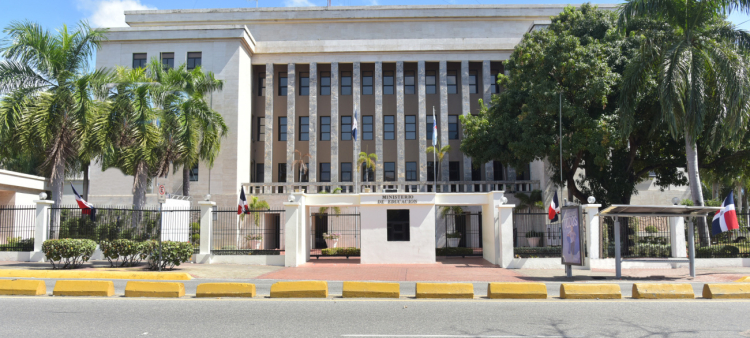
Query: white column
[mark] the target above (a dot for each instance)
(497, 230)
(313, 108)
(422, 124)
(207, 208)
(335, 122)
(489, 171)
(465, 110)
(357, 144)
(291, 121)
(268, 156)
(41, 232)
(295, 244)
(379, 121)
(505, 228)
(591, 219)
(444, 174)
(677, 234)
(400, 134)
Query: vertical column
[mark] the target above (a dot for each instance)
(379, 120)
(400, 140)
(268, 156)
(206, 224)
(677, 237)
(313, 164)
(444, 118)
(356, 89)
(489, 171)
(291, 121)
(592, 232)
(465, 109)
(295, 232)
(335, 122)
(422, 123)
(41, 231)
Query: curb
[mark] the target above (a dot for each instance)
(155, 289)
(371, 290)
(516, 291)
(745, 279)
(225, 290)
(445, 290)
(22, 287)
(94, 274)
(307, 289)
(662, 291)
(84, 288)
(590, 291)
(726, 291)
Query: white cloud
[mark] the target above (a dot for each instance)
(374, 3)
(109, 13)
(298, 3)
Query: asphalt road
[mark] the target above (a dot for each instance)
(128, 317)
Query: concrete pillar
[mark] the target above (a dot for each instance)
(465, 110)
(421, 134)
(268, 156)
(291, 121)
(497, 230)
(41, 232)
(400, 135)
(444, 119)
(335, 122)
(591, 220)
(489, 170)
(677, 234)
(356, 91)
(505, 227)
(295, 234)
(379, 121)
(207, 208)
(313, 109)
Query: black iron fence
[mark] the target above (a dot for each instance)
(335, 234)
(640, 237)
(534, 235)
(17, 225)
(730, 244)
(459, 234)
(261, 232)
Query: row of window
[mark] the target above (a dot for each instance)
(431, 83)
(167, 60)
(389, 128)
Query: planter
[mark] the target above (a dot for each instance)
(368, 190)
(255, 244)
(296, 190)
(453, 242)
(332, 243)
(533, 242)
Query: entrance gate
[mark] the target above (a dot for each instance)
(461, 235)
(335, 234)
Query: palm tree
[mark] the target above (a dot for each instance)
(301, 163)
(47, 77)
(440, 151)
(368, 160)
(256, 203)
(530, 201)
(451, 210)
(700, 65)
(324, 210)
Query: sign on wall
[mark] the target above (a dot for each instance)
(397, 199)
(572, 236)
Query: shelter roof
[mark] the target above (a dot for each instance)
(657, 210)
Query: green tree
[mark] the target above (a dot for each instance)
(528, 202)
(440, 152)
(700, 69)
(368, 160)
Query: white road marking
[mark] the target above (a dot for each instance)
(445, 336)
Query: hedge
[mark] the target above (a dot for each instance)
(172, 254)
(341, 252)
(454, 251)
(129, 251)
(18, 244)
(70, 253)
(544, 251)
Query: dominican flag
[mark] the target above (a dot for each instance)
(88, 208)
(434, 128)
(726, 218)
(554, 208)
(354, 126)
(242, 204)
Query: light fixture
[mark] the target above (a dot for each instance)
(208, 197)
(291, 198)
(42, 195)
(505, 200)
(675, 200)
(591, 200)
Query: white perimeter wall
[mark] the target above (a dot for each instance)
(376, 249)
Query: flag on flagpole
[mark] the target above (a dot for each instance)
(88, 208)
(434, 128)
(354, 126)
(242, 204)
(726, 218)
(554, 209)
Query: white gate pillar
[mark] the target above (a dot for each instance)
(296, 248)
(591, 219)
(497, 230)
(677, 235)
(41, 231)
(207, 207)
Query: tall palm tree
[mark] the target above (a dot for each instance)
(48, 77)
(700, 65)
(301, 163)
(368, 160)
(440, 152)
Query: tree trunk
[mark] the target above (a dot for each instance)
(185, 181)
(86, 180)
(57, 181)
(140, 180)
(696, 192)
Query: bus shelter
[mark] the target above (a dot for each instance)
(689, 213)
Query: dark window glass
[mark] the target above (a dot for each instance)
(430, 171)
(368, 174)
(454, 171)
(304, 83)
(305, 174)
(389, 169)
(193, 173)
(167, 60)
(325, 83)
(453, 127)
(325, 128)
(494, 88)
(430, 82)
(398, 225)
(261, 84)
(139, 60)
(410, 127)
(261, 129)
(346, 83)
(388, 83)
(429, 129)
(325, 172)
(367, 83)
(282, 172)
(409, 82)
(497, 169)
(411, 171)
(473, 82)
(193, 60)
(346, 128)
(346, 171)
(304, 128)
(367, 127)
(451, 82)
(282, 84)
(389, 128)
(476, 173)
(258, 177)
(282, 129)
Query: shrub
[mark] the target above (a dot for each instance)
(651, 229)
(453, 251)
(130, 251)
(18, 244)
(532, 234)
(341, 252)
(68, 252)
(172, 254)
(453, 235)
(545, 251)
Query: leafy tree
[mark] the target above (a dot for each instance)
(368, 160)
(440, 152)
(528, 202)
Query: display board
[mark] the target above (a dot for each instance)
(572, 236)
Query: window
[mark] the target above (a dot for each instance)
(411, 171)
(282, 129)
(325, 128)
(430, 82)
(346, 83)
(497, 169)
(261, 84)
(325, 172)
(304, 128)
(258, 177)
(304, 84)
(261, 129)
(367, 83)
(454, 171)
(473, 82)
(409, 82)
(367, 127)
(494, 88)
(346, 128)
(389, 168)
(452, 82)
(429, 128)
(282, 84)
(388, 83)
(430, 171)
(398, 225)
(167, 60)
(282, 172)
(411, 127)
(193, 173)
(325, 83)
(453, 127)
(193, 60)
(139, 60)
(346, 171)
(476, 173)
(368, 174)
(304, 176)
(389, 127)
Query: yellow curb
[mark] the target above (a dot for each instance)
(22, 287)
(155, 289)
(97, 288)
(745, 279)
(445, 290)
(517, 291)
(305, 289)
(94, 274)
(725, 291)
(225, 290)
(371, 290)
(662, 291)
(589, 291)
